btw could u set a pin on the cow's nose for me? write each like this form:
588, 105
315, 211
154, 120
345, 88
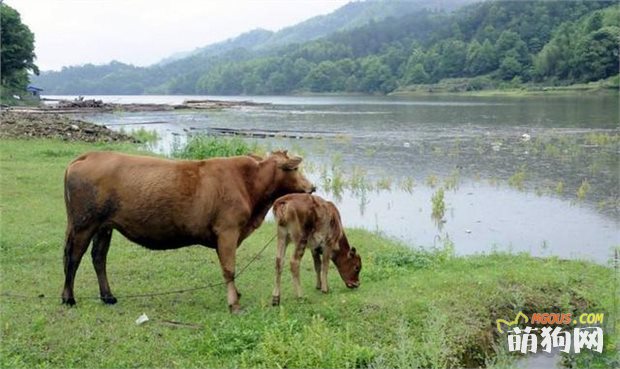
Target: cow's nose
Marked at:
313, 189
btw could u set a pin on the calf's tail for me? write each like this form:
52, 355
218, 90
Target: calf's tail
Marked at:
279, 212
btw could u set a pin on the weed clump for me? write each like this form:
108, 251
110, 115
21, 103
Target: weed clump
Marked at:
202, 147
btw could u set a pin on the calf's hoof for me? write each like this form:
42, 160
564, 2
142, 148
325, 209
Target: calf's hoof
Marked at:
275, 300
235, 309
68, 301
109, 300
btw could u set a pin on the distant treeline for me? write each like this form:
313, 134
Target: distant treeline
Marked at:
554, 42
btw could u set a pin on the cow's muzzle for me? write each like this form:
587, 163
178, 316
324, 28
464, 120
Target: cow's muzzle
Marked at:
353, 284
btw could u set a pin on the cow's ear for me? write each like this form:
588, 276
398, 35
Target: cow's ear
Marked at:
291, 163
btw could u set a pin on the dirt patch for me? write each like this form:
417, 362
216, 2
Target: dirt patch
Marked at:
48, 125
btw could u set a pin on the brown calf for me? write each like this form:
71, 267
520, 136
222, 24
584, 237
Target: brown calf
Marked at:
311, 221
165, 204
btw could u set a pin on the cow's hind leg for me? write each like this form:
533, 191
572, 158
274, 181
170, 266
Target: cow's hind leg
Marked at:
76, 243
99, 253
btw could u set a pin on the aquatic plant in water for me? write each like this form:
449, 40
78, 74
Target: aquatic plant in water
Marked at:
517, 180
439, 206
583, 190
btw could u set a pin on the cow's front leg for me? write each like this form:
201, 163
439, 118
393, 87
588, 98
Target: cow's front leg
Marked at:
226, 251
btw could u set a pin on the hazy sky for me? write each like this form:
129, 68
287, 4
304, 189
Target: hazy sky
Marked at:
142, 32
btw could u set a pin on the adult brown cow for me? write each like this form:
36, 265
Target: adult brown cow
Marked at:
165, 204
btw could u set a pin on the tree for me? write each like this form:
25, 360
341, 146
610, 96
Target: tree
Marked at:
16, 50
453, 55
596, 55
417, 74
510, 67
481, 59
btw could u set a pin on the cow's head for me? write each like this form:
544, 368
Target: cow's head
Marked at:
288, 177
349, 268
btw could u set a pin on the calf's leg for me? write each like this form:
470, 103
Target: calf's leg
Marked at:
316, 256
327, 253
99, 253
281, 251
295, 260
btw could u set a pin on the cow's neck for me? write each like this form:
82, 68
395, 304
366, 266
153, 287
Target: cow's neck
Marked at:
262, 193
342, 253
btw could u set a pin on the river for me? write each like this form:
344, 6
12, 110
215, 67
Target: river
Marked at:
530, 174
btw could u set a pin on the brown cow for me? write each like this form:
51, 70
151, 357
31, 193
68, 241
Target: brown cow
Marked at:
311, 221
165, 204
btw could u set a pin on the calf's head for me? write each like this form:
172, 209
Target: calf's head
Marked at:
349, 268
288, 177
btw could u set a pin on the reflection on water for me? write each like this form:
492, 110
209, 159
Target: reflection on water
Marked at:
512, 168
483, 218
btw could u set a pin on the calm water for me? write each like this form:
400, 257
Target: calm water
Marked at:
512, 166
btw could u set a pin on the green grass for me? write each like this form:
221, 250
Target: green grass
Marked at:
414, 308
141, 134
201, 147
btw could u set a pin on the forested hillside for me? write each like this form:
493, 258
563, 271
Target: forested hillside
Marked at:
555, 42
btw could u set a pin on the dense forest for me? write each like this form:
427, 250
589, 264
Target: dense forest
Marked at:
486, 44
16, 53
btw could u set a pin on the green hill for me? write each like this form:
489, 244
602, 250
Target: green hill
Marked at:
485, 44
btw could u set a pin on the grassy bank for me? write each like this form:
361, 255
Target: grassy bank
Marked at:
486, 87
414, 308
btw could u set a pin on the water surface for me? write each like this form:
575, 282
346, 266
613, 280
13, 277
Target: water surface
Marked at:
512, 167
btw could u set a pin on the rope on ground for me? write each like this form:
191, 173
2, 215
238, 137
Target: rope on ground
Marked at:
211, 285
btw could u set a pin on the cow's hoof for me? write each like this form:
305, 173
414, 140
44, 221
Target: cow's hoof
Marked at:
275, 300
68, 301
109, 300
325, 292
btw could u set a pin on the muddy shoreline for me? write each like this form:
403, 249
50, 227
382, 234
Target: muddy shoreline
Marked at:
27, 125
53, 119
80, 106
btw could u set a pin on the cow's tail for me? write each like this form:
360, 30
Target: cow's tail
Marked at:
67, 192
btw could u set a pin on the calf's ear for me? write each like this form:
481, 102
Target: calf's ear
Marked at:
291, 163
352, 252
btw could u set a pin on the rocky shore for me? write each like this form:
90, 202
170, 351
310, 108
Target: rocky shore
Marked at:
16, 124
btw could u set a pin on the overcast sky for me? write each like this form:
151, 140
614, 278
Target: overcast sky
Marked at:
142, 32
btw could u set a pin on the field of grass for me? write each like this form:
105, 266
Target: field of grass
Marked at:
414, 308
485, 87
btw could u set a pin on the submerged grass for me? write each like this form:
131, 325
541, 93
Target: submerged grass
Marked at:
141, 134
203, 147
415, 307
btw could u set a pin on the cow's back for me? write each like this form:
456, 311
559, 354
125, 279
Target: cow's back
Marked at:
152, 201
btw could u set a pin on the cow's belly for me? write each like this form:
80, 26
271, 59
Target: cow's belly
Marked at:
165, 236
